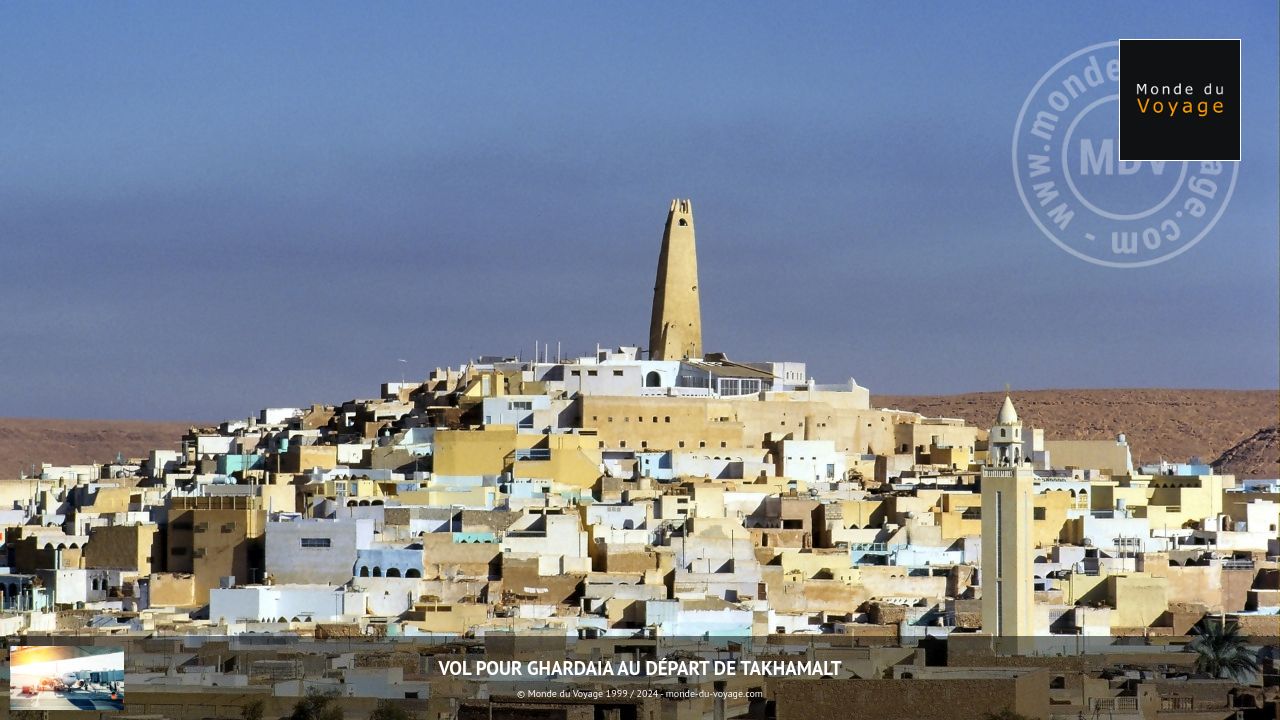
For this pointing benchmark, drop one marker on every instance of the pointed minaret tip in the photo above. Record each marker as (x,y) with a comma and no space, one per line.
(1008,415)
(675,328)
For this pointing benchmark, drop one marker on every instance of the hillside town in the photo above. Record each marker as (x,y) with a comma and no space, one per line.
(604,503)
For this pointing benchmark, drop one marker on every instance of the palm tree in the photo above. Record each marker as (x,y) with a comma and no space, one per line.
(1222,651)
(317,705)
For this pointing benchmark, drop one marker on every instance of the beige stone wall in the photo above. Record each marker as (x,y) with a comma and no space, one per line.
(575,461)
(682,423)
(446,617)
(1139,599)
(112,500)
(124,547)
(172,589)
(216,537)
(1217,589)
(443,558)
(1104,455)
(474,452)
(694,423)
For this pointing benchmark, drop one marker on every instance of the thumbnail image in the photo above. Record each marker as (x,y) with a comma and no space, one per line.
(66,677)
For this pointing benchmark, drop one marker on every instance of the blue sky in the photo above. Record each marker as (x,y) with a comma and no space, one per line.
(209,209)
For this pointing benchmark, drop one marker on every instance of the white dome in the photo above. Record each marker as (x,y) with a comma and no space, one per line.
(1007,416)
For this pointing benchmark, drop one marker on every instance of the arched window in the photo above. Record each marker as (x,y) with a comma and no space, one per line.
(652,379)
(393,572)
(364,571)
(377,572)
(412,573)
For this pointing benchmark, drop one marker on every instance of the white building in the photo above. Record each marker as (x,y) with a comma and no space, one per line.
(316,551)
(284,603)
(810,460)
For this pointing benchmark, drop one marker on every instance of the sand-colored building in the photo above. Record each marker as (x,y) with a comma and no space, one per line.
(216,537)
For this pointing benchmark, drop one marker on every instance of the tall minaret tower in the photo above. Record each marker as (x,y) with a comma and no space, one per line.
(675,330)
(1008,545)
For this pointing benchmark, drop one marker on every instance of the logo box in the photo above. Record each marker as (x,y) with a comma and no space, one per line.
(1179,100)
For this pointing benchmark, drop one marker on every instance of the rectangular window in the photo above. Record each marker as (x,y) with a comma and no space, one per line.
(999,568)
(316,542)
(617,373)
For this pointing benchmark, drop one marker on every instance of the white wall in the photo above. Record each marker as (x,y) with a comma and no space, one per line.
(811,460)
(307,602)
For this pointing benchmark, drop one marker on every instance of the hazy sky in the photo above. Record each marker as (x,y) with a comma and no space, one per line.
(209,209)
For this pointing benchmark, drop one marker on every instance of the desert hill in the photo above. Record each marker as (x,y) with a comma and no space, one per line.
(28,441)
(1173,425)
(1256,456)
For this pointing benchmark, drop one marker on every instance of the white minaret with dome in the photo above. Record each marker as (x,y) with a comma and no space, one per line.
(1008,547)
(1004,443)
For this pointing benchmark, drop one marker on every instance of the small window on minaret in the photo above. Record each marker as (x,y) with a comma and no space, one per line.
(683,222)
